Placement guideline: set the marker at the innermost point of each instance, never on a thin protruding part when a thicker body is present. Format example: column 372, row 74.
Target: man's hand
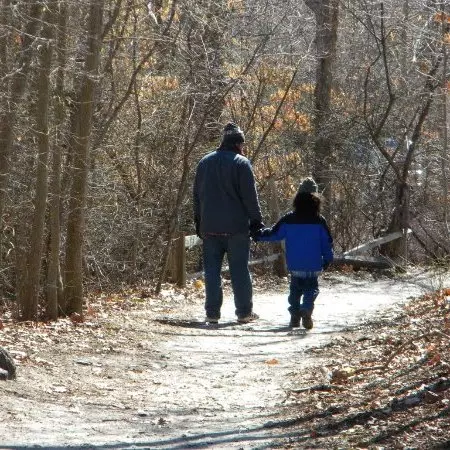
column 255, row 229
column 255, row 235
column 197, row 229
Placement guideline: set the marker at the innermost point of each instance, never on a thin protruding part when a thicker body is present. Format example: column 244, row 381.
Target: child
column 309, row 250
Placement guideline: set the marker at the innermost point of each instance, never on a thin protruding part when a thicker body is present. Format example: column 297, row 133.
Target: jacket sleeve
column 325, row 225
column 326, row 243
column 276, row 233
column 196, row 202
column 248, row 193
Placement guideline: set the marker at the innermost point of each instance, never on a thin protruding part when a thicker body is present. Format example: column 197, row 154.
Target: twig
column 318, row 387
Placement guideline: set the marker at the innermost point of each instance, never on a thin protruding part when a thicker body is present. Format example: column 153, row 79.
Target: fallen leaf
column 76, row 318
column 91, row 311
column 198, row 284
column 272, row 362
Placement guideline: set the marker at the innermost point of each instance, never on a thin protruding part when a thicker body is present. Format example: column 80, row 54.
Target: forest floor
column 145, row 372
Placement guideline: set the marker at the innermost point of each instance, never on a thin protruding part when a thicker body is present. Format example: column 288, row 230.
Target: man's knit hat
column 308, row 185
column 232, row 134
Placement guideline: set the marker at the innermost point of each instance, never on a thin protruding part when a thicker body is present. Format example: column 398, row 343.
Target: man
column 226, row 209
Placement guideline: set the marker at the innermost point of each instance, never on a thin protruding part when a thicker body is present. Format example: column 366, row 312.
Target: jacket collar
column 229, row 148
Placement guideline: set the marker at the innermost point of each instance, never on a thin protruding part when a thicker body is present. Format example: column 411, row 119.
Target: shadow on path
column 204, row 440
column 235, row 325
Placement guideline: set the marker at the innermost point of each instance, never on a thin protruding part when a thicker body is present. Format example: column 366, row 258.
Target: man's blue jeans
column 237, row 248
column 305, row 289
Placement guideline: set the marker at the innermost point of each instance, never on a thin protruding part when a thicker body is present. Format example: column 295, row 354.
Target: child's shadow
column 286, row 329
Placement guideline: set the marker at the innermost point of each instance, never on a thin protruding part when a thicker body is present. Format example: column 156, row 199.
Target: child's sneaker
column 295, row 320
column 249, row 318
column 307, row 321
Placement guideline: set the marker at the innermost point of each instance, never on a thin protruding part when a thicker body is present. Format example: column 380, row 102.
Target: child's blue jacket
column 308, row 241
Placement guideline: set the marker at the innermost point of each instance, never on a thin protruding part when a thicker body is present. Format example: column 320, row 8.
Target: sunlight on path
column 234, row 377
column 181, row 384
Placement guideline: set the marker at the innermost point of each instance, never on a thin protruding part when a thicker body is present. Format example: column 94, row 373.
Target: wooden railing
column 182, row 243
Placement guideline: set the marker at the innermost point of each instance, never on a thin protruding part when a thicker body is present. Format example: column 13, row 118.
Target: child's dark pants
column 303, row 292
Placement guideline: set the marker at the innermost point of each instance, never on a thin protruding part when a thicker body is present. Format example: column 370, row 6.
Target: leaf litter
column 386, row 385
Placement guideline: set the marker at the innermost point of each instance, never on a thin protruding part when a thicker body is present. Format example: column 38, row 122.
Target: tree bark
column 54, row 291
column 4, row 42
column 15, row 92
column 34, row 258
column 444, row 93
column 326, row 12
column 80, row 143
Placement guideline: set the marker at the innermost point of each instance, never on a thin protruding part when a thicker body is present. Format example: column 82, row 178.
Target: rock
column 7, row 364
column 84, row 362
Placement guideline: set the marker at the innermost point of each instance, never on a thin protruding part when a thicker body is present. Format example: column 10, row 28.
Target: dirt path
column 152, row 375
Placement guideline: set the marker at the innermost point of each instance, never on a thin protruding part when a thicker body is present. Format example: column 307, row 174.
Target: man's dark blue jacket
column 309, row 245
column 225, row 197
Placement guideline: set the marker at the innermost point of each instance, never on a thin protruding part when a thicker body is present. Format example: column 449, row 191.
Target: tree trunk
column 326, row 12
column 55, row 296
column 80, row 148
column 16, row 90
column 444, row 93
column 173, row 218
column 34, row 259
column 4, row 42
column 399, row 222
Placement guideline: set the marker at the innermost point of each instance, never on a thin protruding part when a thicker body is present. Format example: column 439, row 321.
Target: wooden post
column 279, row 265
column 180, row 260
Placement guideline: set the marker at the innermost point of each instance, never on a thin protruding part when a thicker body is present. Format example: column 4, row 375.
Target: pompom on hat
column 232, row 134
column 308, row 185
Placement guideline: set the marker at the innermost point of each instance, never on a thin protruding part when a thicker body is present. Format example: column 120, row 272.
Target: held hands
column 197, row 229
column 255, row 229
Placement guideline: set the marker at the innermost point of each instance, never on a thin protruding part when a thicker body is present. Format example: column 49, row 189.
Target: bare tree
column 80, row 143
column 15, row 89
column 326, row 12
column 55, row 296
column 407, row 144
column 34, row 257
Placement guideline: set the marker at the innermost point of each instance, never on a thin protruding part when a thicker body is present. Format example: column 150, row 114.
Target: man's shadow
column 199, row 324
